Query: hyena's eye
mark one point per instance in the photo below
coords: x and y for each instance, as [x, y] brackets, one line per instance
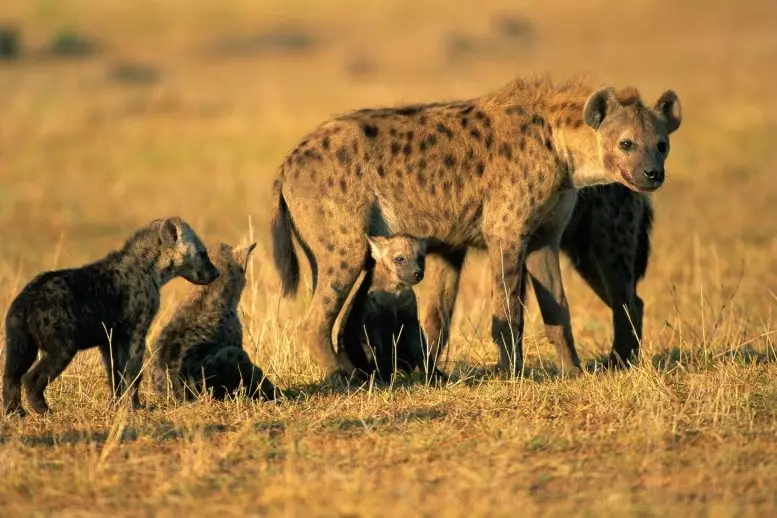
[399, 259]
[662, 147]
[627, 145]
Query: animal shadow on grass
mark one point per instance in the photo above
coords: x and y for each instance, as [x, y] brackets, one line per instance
[675, 358]
[335, 384]
[384, 420]
[474, 375]
[161, 432]
[700, 359]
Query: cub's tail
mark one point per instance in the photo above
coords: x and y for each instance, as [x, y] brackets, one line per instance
[20, 353]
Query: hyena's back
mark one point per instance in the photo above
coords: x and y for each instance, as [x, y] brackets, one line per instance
[412, 170]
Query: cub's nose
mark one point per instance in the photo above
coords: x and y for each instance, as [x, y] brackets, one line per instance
[418, 274]
[654, 174]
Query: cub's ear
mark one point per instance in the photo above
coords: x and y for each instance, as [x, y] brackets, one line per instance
[597, 106]
[377, 246]
[668, 106]
[169, 231]
[242, 255]
[423, 244]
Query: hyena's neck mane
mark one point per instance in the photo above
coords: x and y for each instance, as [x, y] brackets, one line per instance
[557, 109]
[544, 97]
[141, 252]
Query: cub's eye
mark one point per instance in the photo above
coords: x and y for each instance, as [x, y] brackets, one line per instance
[662, 147]
[399, 259]
[627, 145]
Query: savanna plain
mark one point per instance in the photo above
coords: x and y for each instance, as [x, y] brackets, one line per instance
[116, 113]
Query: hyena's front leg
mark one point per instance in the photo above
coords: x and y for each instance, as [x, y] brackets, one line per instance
[443, 272]
[133, 371]
[542, 263]
[115, 359]
[543, 266]
[507, 263]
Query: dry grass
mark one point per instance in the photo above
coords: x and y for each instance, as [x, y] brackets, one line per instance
[89, 150]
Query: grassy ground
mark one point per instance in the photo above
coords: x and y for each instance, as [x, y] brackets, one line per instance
[188, 107]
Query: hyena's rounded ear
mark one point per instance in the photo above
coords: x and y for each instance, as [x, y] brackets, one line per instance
[597, 105]
[668, 106]
[376, 246]
[423, 244]
[242, 254]
[169, 231]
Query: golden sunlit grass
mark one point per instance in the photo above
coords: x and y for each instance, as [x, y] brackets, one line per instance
[87, 154]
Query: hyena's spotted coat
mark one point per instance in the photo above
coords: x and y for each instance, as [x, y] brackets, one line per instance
[499, 172]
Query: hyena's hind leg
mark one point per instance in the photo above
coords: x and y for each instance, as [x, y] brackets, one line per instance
[20, 354]
[339, 263]
[49, 366]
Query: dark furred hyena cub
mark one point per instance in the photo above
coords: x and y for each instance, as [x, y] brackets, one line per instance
[109, 303]
[202, 346]
[382, 332]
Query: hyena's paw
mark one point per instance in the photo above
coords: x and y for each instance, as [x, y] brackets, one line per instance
[39, 405]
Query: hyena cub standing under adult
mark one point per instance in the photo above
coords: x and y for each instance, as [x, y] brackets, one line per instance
[382, 332]
[202, 346]
[109, 303]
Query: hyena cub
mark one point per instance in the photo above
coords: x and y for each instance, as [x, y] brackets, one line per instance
[202, 347]
[382, 332]
[109, 303]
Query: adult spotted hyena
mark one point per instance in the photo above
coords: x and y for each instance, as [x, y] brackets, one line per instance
[109, 303]
[201, 348]
[382, 332]
[607, 240]
[500, 172]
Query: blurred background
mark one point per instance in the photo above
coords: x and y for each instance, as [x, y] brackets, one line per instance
[115, 113]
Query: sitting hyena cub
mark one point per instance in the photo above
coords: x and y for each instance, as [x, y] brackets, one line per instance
[201, 348]
[109, 303]
[382, 332]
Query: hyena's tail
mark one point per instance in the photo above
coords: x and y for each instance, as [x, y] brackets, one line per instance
[285, 257]
[20, 354]
[643, 241]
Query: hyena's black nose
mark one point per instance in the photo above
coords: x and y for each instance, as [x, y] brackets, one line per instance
[654, 174]
[419, 274]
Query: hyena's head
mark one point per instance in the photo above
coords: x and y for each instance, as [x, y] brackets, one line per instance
[232, 264]
[183, 253]
[399, 259]
[632, 139]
